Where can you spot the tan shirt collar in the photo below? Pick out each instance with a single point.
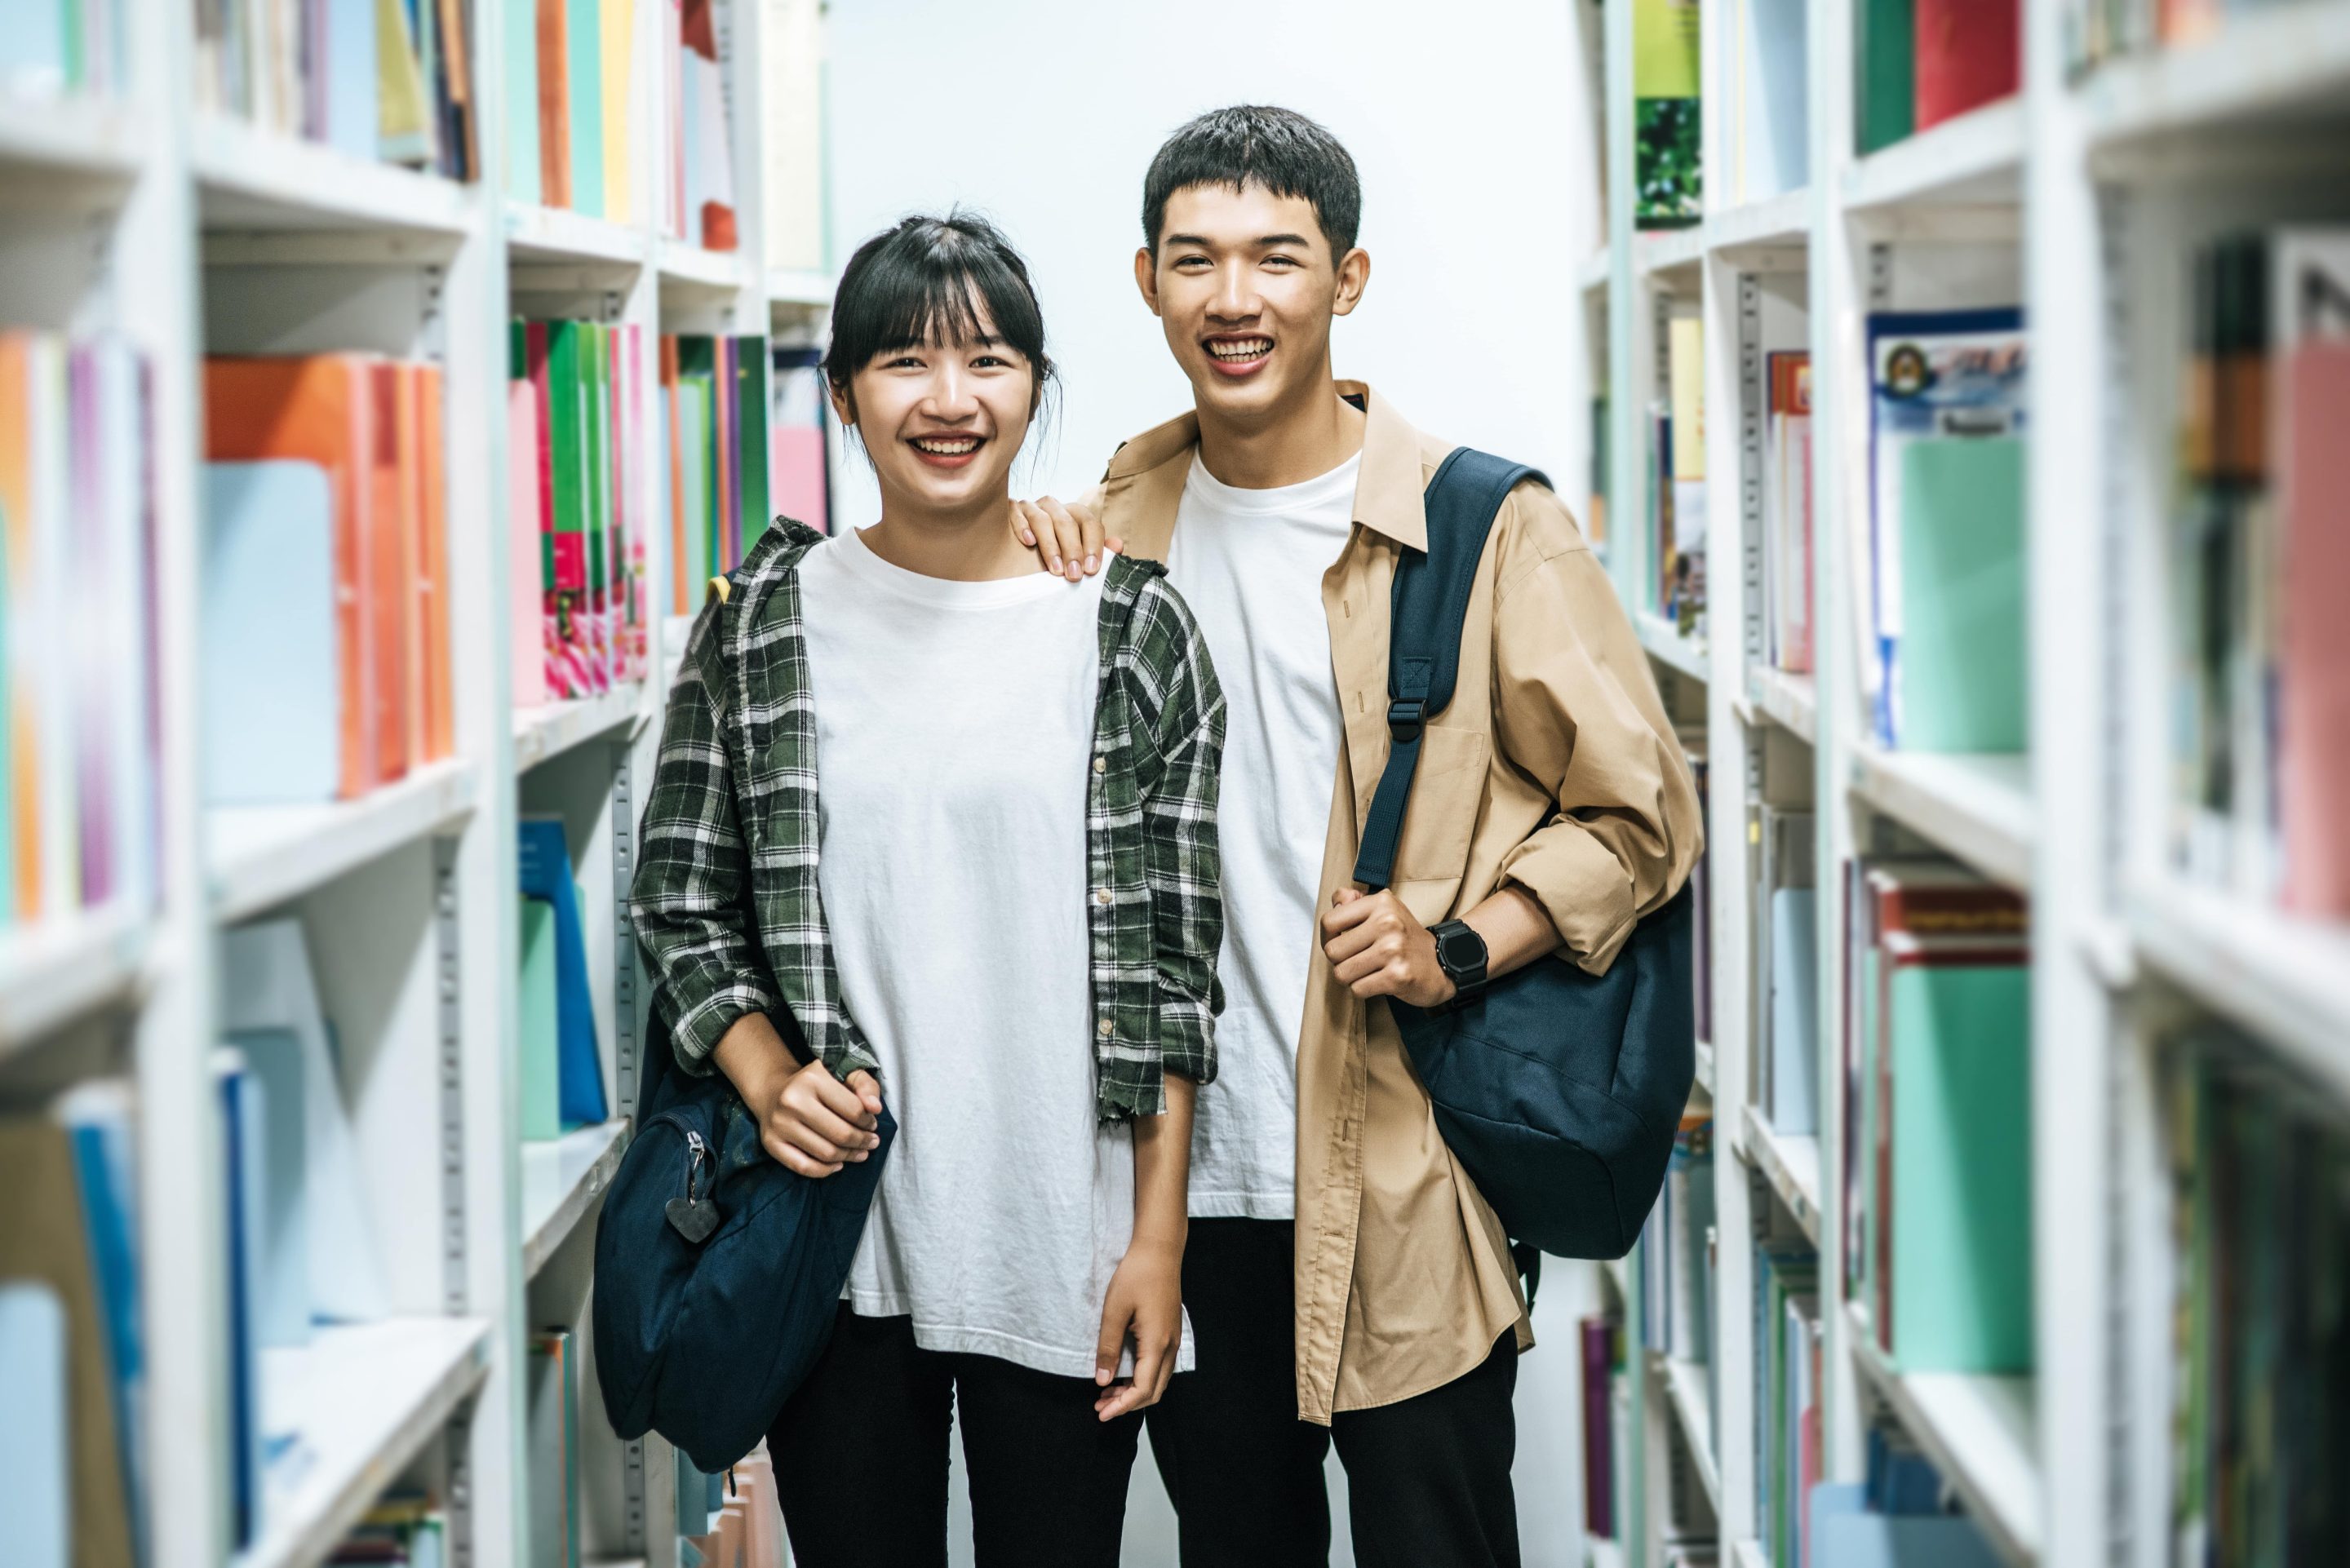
(1388, 493)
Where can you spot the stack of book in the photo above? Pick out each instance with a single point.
(72, 1356)
(1677, 1250)
(1786, 922)
(326, 660)
(699, 138)
(562, 1071)
(379, 79)
(1787, 1387)
(78, 714)
(1894, 1518)
(2261, 670)
(713, 404)
(1787, 572)
(575, 483)
(1938, 1139)
(1917, 63)
(1943, 622)
(1667, 168)
(57, 46)
(571, 80)
(2260, 1218)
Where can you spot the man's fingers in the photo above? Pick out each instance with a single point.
(1090, 542)
(1387, 980)
(1349, 915)
(1023, 521)
(1347, 943)
(1360, 965)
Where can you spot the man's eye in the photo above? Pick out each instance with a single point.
(1280, 261)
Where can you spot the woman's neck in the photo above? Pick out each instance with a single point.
(973, 545)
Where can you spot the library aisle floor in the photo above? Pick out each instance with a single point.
(1956, 400)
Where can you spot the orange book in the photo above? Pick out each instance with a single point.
(16, 515)
(554, 105)
(432, 582)
(315, 410)
(679, 587)
(390, 545)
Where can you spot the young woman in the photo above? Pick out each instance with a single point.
(947, 824)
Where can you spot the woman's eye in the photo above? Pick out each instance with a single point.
(992, 362)
(904, 362)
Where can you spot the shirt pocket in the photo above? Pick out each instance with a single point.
(1446, 791)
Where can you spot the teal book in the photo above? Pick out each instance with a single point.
(274, 1058)
(584, 36)
(1959, 1026)
(1885, 72)
(751, 436)
(521, 45)
(1960, 664)
(270, 691)
(542, 1115)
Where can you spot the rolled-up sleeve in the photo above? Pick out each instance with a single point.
(1578, 711)
(689, 898)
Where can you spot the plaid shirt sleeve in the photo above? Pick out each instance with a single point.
(689, 900)
(1185, 740)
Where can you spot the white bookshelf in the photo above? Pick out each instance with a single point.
(2080, 197)
(189, 231)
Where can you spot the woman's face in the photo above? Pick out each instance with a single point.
(943, 421)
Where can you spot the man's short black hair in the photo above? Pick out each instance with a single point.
(928, 280)
(1278, 150)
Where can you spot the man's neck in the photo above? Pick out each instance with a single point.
(964, 546)
(1289, 446)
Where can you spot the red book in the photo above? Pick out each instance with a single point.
(2314, 479)
(1967, 54)
(392, 564)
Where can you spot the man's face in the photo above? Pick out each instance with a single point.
(1245, 286)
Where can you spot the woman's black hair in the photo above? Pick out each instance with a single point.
(928, 280)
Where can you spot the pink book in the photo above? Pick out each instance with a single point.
(2313, 749)
(525, 602)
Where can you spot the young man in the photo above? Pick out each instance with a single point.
(1345, 1281)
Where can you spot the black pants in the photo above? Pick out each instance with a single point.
(860, 1455)
(1428, 1478)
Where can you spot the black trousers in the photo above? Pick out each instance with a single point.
(1428, 1478)
(861, 1454)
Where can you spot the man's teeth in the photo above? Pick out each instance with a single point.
(1241, 348)
(951, 447)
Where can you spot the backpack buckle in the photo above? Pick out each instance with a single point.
(1406, 716)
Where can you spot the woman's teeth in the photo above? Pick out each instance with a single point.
(952, 446)
(1241, 348)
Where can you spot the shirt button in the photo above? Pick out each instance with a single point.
(1101, 764)
(1101, 896)
(1103, 1028)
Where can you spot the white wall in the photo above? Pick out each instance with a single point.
(1469, 123)
(1472, 129)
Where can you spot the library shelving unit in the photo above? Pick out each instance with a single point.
(187, 232)
(2082, 199)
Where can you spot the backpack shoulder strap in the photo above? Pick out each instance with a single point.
(1431, 603)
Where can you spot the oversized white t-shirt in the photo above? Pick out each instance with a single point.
(1249, 563)
(954, 738)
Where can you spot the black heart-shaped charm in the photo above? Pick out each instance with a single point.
(692, 1218)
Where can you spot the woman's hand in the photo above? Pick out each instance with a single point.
(809, 1121)
(1068, 538)
(1145, 1304)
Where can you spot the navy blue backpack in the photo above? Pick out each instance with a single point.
(1559, 1090)
(717, 1271)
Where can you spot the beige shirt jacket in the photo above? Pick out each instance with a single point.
(1568, 782)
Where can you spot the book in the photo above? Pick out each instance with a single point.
(48, 1244)
(1885, 73)
(272, 682)
(519, 50)
(1969, 52)
(545, 875)
(272, 1059)
(1683, 549)
(244, 1121)
(1598, 1343)
(538, 1003)
(584, 42)
(1667, 113)
(1787, 511)
(1770, 110)
(525, 524)
(1959, 677)
(551, 1423)
(267, 984)
(552, 64)
(1939, 376)
(35, 1479)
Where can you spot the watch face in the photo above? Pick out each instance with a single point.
(1463, 949)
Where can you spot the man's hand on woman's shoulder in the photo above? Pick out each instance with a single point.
(1066, 535)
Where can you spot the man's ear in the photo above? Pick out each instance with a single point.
(1354, 276)
(1146, 277)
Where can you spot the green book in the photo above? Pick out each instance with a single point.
(751, 435)
(584, 35)
(521, 44)
(1960, 665)
(1860, 1271)
(1959, 1026)
(541, 1076)
(1668, 183)
(693, 433)
(1884, 71)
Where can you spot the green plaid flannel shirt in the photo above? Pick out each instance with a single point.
(726, 903)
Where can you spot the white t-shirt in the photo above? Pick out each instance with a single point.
(1249, 563)
(954, 737)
